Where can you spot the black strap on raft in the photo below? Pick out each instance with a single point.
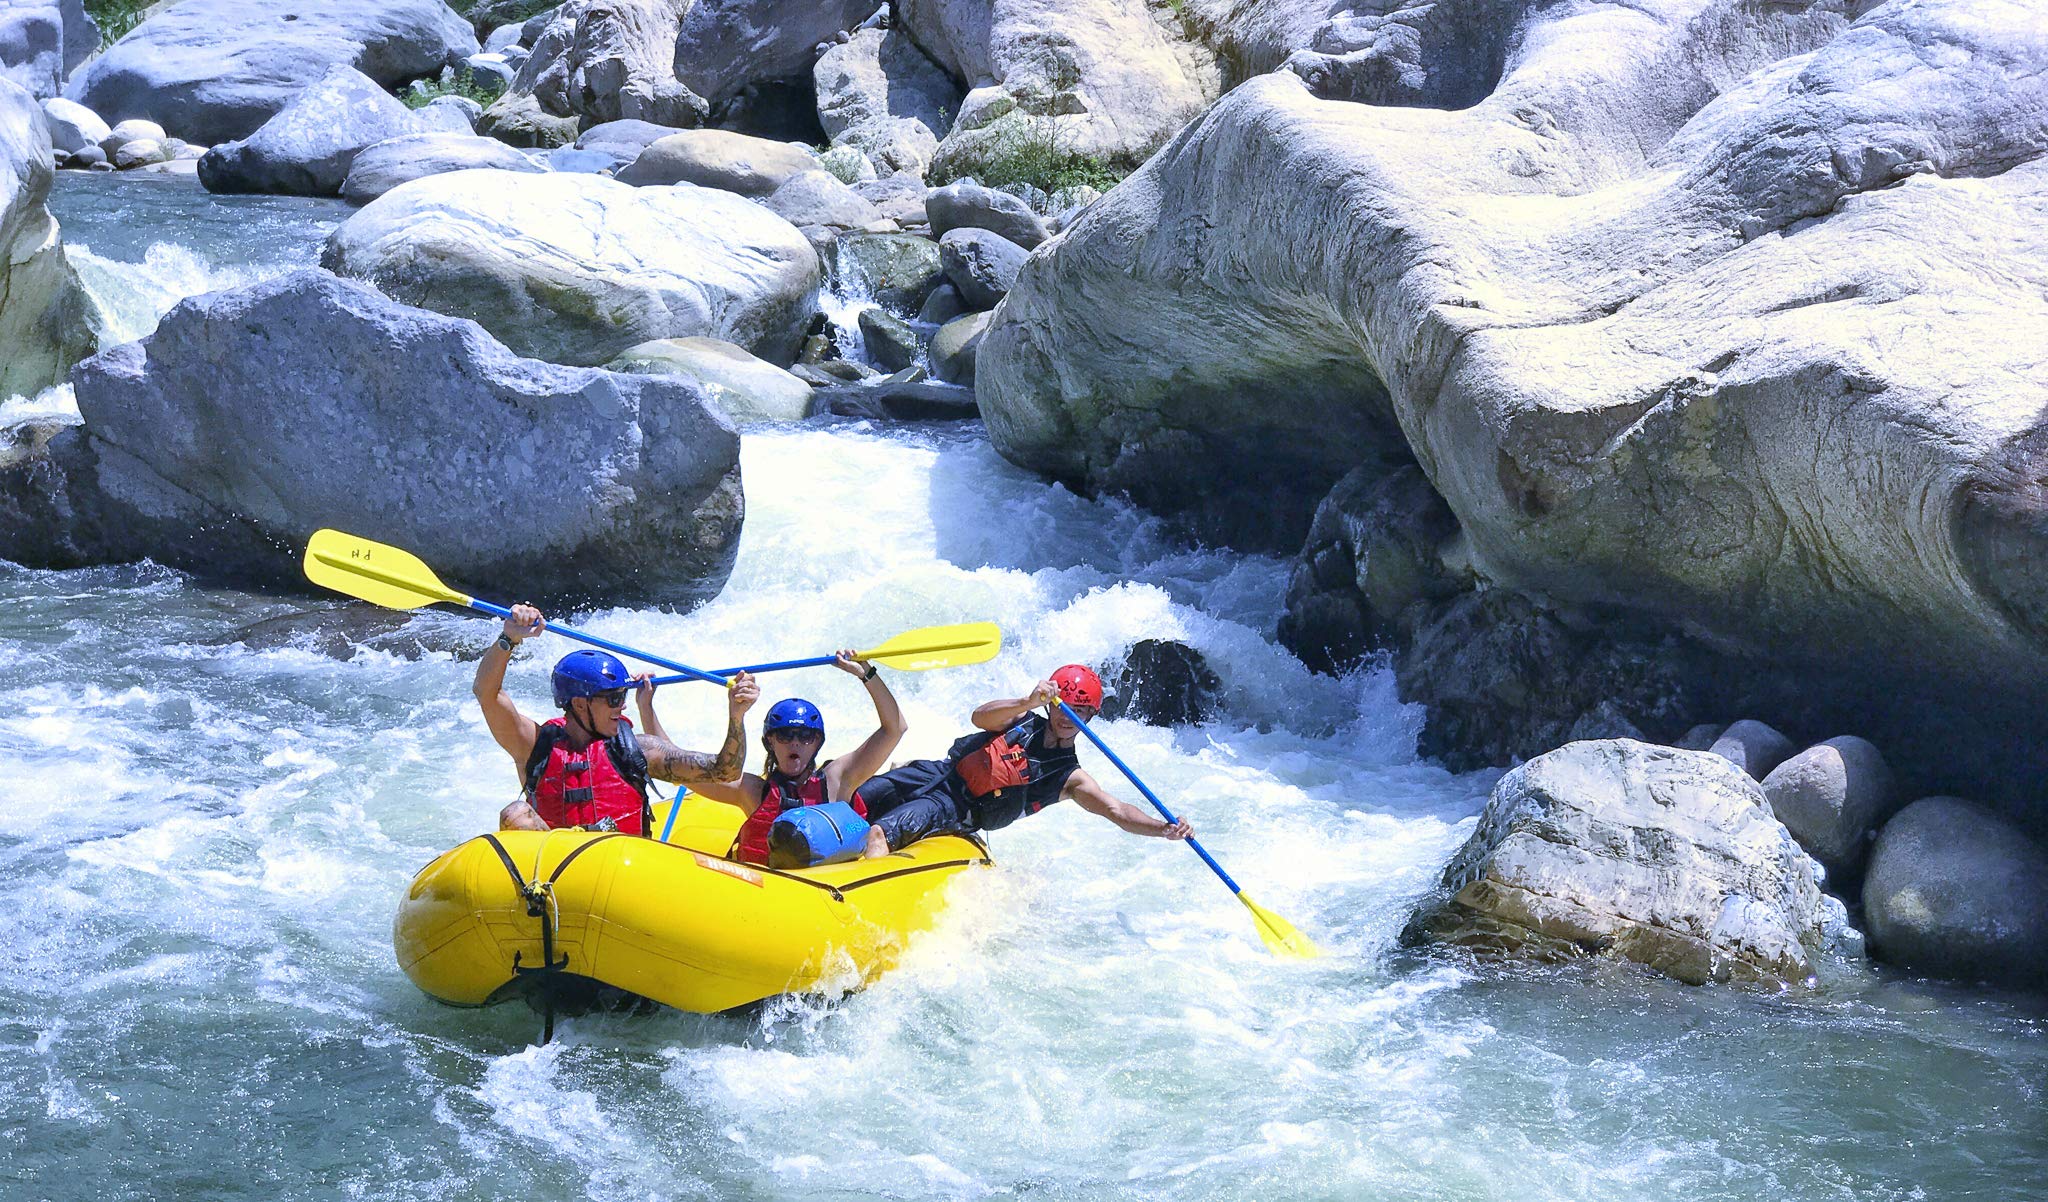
(539, 896)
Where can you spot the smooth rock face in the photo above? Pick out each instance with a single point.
(1957, 891)
(44, 323)
(211, 71)
(968, 205)
(953, 348)
(141, 152)
(1832, 797)
(741, 386)
(899, 400)
(982, 265)
(625, 138)
(878, 93)
(1753, 747)
(73, 127)
(818, 198)
(134, 129)
(597, 61)
(717, 158)
(1669, 858)
(899, 197)
(394, 161)
(579, 268)
(1105, 72)
(1375, 552)
(307, 149)
(942, 306)
(1624, 277)
(724, 46)
(448, 115)
(406, 427)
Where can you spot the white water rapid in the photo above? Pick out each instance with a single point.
(204, 833)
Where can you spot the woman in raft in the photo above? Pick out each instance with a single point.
(791, 776)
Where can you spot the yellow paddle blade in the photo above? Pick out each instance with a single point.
(1280, 936)
(374, 572)
(938, 647)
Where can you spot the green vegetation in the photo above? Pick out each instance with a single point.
(1028, 144)
(426, 91)
(116, 17)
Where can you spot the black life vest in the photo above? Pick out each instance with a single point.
(575, 787)
(1018, 754)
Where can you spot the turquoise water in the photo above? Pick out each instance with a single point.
(204, 832)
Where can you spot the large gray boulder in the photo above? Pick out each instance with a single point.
(968, 205)
(744, 388)
(73, 127)
(392, 423)
(1669, 858)
(579, 268)
(1832, 797)
(42, 41)
(1101, 78)
(1955, 890)
(307, 149)
(878, 93)
(719, 158)
(45, 325)
(597, 61)
(981, 264)
(210, 71)
(1755, 747)
(818, 198)
(895, 270)
(379, 168)
(1723, 314)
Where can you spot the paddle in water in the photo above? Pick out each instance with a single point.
(385, 575)
(1279, 935)
(912, 651)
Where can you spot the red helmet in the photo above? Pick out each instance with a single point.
(1079, 686)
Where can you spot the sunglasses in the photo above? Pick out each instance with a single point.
(616, 698)
(795, 734)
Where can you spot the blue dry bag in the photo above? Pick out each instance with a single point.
(819, 834)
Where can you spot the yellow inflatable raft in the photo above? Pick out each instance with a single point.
(668, 919)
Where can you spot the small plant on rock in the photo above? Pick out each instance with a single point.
(116, 18)
(426, 91)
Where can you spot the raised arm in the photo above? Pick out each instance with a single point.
(666, 761)
(514, 731)
(852, 770)
(1001, 715)
(1093, 798)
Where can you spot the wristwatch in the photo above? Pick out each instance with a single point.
(505, 641)
(871, 673)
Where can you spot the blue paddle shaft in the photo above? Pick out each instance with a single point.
(816, 661)
(1149, 795)
(688, 673)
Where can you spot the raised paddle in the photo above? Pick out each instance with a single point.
(912, 651)
(1279, 935)
(395, 579)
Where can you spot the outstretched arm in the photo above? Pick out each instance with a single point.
(1001, 715)
(1093, 798)
(666, 761)
(852, 770)
(514, 731)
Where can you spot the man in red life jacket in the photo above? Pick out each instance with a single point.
(587, 768)
(1021, 763)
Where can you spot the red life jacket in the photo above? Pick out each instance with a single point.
(779, 794)
(605, 779)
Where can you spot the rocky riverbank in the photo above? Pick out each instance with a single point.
(1620, 370)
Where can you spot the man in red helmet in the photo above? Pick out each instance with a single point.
(1020, 763)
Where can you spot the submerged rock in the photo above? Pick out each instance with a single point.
(308, 147)
(896, 271)
(211, 71)
(899, 400)
(1164, 683)
(390, 422)
(1668, 858)
(579, 268)
(1955, 890)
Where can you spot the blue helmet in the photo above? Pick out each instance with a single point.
(588, 673)
(795, 713)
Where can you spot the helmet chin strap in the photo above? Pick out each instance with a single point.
(586, 727)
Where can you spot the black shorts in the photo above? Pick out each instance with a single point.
(914, 802)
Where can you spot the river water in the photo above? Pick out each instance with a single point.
(205, 831)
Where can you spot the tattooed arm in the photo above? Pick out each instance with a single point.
(666, 761)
